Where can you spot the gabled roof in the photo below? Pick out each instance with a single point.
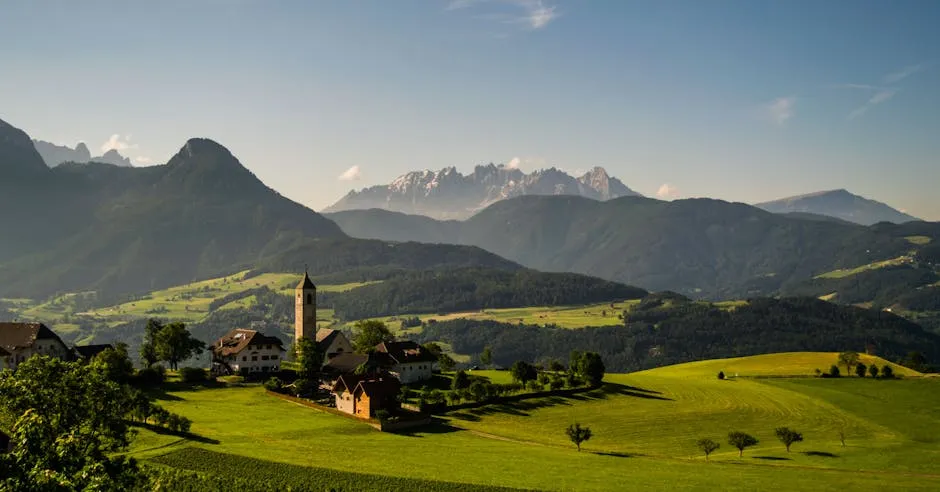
(346, 382)
(89, 351)
(348, 362)
(377, 388)
(327, 335)
(22, 335)
(239, 339)
(406, 351)
(306, 283)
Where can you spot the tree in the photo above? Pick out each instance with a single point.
(370, 333)
(173, 343)
(834, 371)
(486, 358)
(587, 365)
(707, 446)
(460, 381)
(721, 374)
(556, 366)
(887, 372)
(861, 369)
(114, 364)
(788, 436)
(309, 359)
(742, 441)
(848, 359)
(446, 362)
(478, 391)
(523, 372)
(873, 370)
(68, 421)
(916, 361)
(578, 434)
(148, 351)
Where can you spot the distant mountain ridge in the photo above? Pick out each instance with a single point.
(54, 154)
(840, 204)
(448, 194)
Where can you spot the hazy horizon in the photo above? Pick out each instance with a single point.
(741, 101)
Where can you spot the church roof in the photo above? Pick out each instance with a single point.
(306, 283)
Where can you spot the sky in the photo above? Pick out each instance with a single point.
(745, 100)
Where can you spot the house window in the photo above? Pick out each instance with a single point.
(245, 358)
(264, 357)
(254, 358)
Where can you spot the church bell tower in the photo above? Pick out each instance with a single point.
(305, 309)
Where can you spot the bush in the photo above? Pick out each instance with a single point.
(834, 371)
(887, 372)
(460, 381)
(533, 386)
(151, 376)
(721, 374)
(861, 369)
(275, 385)
(383, 415)
(304, 387)
(557, 383)
(873, 370)
(194, 375)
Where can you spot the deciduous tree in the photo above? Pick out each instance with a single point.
(486, 358)
(114, 363)
(707, 446)
(873, 370)
(370, 333)
(788, 436)
(848, 359)
(742, 441)
(523, 372)
(173, 344)
(861, 369)
(587, 365)
(578, 434)
(887, 372)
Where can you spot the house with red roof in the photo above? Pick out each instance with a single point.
(20, 341)
(242, 350)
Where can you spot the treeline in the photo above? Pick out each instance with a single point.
(677, 332)
(473, 288)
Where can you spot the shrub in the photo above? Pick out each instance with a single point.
(873, 370)
(150, 376)
(460, 381)
(557, 383)
(887, 372)
(533, 386)
(721, 374)
(275, 385)
(193, 375)
(304, 387)
(160, 416)
(834, 371)
(383, 415)
(861, 369)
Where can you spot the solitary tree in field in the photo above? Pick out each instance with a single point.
(578, 434)
(788, 436)
(742, 441)
(834, 371)
(721, 374)
(873, 370)
(848, 359)
(707, 446)
(860, 369)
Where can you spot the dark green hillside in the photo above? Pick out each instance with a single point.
(702, 248)
(474, 289)
(395, 226)
(675, 332)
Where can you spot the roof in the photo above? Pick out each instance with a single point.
(239, 339)
(21, 335)
(347, 381)
(348, 362)
(326, 335)
(306, 283)
(382, 387)
(89, 351)
(406, 351)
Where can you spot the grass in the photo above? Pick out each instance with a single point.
(780, 364)
(644, 424)
(918, 240)
(848, 272)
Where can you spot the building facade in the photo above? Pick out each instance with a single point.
(409, 362)
(20, 341)
(248, 351)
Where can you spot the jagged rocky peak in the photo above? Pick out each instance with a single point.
(54, 154)
(448, 194)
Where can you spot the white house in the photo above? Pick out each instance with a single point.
(410, 362)
(20, 341)
(332, 343)
(247, 350)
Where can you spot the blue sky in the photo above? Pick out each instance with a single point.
(740, 100)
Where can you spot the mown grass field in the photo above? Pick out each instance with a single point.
(645, 425)
(848, 272)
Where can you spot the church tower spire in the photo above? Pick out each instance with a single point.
(305, 309)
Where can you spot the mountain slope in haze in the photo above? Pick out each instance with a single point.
(839, 204)
(699, 247)
(97, 226)
(448, 194)
(53, 154)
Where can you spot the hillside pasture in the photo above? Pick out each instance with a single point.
(848, 272)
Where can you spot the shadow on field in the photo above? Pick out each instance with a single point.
(821, 454)
(161, 394)
(624, 390)
(772, 458)
(437, 426)
(615, 454)
(167, 432)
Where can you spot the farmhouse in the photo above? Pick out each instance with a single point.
(364, 396)
(23, 340)
(408, 361)
(243, 350)
(332, 343)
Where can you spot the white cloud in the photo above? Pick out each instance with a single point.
(119, 143)
(904, 73)
(527, 162)
(514, 163)
(351, 174)
(781, 109)
(667, 191)
(879, 97)
(532, 13)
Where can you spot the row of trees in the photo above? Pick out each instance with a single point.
(743, 440)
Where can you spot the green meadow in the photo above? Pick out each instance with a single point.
(645, 426)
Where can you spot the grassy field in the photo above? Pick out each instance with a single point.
(645, 425)
(918, 240)
(848, 272)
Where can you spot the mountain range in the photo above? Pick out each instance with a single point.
(448, 194)
(839, 204)
(53, 154)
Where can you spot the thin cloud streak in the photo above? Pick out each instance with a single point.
(352, 174)
(904, 73)
(780, 110)
(535, 15)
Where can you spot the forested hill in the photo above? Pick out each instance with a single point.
(700, 247)
(474, 289)
(657, 334)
